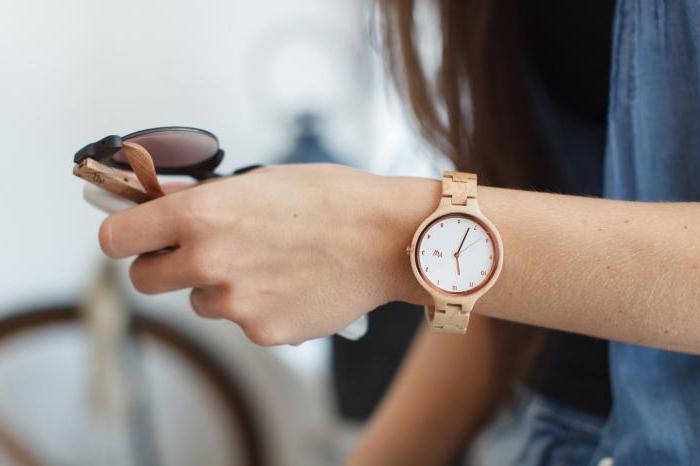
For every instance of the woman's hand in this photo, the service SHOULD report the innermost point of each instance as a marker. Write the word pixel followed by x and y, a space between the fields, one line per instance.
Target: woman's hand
pixel 288 253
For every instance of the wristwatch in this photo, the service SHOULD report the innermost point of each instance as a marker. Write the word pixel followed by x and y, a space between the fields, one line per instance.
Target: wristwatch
pixel 456 254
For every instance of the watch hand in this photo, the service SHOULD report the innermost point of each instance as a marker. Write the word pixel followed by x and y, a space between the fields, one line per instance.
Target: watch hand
pixel 462 242
pixel 457 260
pixel 468 246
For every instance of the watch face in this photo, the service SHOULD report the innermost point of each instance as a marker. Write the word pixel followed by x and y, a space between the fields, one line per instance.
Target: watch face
pixel 455 254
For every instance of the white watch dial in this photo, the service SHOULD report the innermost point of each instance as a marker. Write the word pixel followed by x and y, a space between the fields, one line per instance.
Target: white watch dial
pixel 456 254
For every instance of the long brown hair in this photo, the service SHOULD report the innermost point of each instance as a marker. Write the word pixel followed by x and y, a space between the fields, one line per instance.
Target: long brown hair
pixel 474 109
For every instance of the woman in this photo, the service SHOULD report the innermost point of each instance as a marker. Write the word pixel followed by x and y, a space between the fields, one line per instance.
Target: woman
pixel 325 243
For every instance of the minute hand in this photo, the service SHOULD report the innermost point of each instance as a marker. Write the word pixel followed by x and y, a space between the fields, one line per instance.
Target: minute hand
pixel 462 242
pixel 468 246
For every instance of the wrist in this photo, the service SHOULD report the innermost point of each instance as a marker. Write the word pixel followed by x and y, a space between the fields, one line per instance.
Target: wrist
pixel 404 204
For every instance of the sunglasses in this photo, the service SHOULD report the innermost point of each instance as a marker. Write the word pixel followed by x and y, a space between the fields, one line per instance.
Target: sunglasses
pixel 174 150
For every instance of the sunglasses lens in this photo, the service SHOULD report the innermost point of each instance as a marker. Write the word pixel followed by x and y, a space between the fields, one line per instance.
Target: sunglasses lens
pixel 174 148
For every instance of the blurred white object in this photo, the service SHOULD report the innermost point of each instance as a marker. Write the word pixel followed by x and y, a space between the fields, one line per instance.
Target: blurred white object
pixel 86 97
pixel 356 330
pixel 104 200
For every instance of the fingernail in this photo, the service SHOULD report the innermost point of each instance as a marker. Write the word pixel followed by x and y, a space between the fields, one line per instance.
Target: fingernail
pixel 105 237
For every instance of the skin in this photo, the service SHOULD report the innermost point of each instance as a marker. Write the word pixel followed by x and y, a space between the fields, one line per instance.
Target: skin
pixel 445 391
pixel 291 253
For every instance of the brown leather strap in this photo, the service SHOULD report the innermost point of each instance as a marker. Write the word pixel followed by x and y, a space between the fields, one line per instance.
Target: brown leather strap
pixel 142 164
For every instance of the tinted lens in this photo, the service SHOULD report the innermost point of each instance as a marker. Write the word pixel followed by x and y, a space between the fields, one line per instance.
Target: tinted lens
pixel 174 148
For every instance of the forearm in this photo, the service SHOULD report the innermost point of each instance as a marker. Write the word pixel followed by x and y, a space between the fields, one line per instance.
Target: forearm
pixel 247 245
pixel 446 388
pixel 626 271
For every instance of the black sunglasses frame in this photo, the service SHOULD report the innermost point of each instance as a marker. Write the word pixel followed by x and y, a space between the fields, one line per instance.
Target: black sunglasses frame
pixel 104 150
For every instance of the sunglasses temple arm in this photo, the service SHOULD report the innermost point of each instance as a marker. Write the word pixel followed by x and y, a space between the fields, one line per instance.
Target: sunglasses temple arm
pixel 246 169
pixel 203 175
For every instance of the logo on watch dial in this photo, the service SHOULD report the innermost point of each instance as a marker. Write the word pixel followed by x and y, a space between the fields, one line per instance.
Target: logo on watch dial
pixel 455 253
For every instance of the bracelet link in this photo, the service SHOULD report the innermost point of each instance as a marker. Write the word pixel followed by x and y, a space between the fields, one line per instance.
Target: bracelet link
pixel 459 187
pixel 448 318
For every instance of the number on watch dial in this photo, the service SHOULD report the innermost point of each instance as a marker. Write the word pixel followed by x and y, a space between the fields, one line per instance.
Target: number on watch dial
pixel 455 254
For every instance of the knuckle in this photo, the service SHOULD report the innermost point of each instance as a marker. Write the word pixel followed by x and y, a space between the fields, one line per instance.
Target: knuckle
pixel 265 334
pixel 331 169
pixel 200 306
pixel 202 311
pixel 227 304
pixel 140 279
pixel 241 309
pixel 238 318
pixel 322 167
pixel 265 169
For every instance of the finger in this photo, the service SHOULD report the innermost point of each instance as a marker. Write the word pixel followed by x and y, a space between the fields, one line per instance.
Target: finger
pixel 145 228
pixel 209 303
pixel 165 271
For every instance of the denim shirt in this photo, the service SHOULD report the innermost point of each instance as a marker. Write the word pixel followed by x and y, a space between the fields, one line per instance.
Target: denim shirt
pixel 652 150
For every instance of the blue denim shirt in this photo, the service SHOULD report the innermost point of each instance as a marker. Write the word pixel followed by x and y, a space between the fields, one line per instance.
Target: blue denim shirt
pixel 652 154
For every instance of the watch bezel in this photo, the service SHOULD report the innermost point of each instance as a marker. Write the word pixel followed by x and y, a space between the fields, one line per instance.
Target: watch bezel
pixel 495 245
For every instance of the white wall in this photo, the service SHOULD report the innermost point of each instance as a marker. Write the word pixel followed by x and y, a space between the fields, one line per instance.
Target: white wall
pixel 72 71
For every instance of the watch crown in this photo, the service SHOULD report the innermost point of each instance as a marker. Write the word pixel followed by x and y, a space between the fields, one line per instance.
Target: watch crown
pixel 408 250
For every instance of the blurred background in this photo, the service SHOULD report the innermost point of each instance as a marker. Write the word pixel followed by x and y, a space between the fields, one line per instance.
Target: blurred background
pixel 93 373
